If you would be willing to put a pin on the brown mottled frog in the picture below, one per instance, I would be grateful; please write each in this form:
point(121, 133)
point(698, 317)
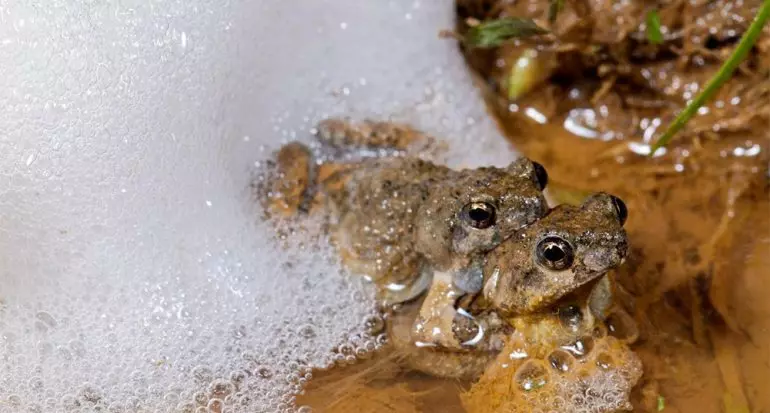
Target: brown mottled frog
point(396, 217)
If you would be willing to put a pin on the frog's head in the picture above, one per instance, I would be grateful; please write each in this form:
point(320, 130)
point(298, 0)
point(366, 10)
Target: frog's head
point(569, 248)
point(474, 210)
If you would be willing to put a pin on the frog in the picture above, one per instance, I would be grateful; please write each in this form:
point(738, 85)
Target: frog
point(572, 246)
point(395, 216)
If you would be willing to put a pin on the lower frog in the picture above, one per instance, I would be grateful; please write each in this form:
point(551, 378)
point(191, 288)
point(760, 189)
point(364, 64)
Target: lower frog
point(396, 218)
point(464, 320)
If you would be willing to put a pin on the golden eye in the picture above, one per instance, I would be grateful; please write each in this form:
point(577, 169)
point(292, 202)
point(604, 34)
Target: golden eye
point(555, 253)
point(479, 215)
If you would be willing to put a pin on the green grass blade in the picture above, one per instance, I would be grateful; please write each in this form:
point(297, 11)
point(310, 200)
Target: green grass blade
point(654, 34)
point(724, 73)
point(554, 8)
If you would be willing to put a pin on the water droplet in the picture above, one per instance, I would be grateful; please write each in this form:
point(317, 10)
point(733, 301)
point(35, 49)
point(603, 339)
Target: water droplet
point(560, 360)
point(581, 347)
point(532, 375)
point(571, 316)
point(622, 326)
point(374, 324)
point(604, 361)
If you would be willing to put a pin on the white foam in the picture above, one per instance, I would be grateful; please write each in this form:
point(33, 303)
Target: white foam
point(130, 249)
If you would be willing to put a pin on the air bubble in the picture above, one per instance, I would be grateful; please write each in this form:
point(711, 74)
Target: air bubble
point(220, 388)
point(532, 375)
point(237, 377)
point(374, 324)
point(216, 405)
point(346, 349)
point(202, 374)
point(382, 340)
point(307, 331)
point(604, 361)
point(46, 319)
point(580, 347)
point(622, 326)
point(201, 398)
point(185, 407)
point(14, 400)
point(560, 361)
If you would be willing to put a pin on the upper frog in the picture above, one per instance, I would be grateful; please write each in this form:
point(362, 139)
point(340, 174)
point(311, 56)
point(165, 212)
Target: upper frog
point(397, 218)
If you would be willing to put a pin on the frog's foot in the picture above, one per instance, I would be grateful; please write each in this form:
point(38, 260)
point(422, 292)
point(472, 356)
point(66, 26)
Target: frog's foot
point(433, 360)
point(342, 134)
point(287, 189)
point(444, 323)
point(439, 323)
point(398, 292)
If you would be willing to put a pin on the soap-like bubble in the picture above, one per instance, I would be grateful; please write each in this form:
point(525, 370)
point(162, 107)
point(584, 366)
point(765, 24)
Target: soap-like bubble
point(136, 265)
point(532, 375)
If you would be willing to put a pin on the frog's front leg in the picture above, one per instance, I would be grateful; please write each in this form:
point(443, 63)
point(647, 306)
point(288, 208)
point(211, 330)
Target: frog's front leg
point(341, 134)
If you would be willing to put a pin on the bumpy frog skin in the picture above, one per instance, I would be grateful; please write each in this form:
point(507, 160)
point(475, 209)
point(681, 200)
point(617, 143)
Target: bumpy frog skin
point(538, 266)
point(397, 218)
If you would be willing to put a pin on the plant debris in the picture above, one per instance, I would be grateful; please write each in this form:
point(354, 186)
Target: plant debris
point(493, 33)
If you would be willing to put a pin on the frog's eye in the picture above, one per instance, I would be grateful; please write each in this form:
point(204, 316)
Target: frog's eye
point(620, 209)
point(555, 253)
point(540, 175)
point(479, 215)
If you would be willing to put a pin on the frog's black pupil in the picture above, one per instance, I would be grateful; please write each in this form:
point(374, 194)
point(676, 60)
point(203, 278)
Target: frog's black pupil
point(541, 175)
point(553, 253)
point(479, 214)
point(620, 209)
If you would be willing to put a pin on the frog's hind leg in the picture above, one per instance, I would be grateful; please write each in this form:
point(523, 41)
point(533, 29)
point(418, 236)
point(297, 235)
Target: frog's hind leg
point(373, 135)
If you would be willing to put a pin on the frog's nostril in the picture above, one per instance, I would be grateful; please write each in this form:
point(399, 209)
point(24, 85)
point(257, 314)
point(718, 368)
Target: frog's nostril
point(620, 209)
point(541, 175)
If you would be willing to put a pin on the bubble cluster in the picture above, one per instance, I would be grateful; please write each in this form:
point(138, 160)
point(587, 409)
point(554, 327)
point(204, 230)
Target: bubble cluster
point(576, 377)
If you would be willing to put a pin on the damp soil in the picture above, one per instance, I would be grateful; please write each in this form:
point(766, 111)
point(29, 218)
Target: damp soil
point(698, 275)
